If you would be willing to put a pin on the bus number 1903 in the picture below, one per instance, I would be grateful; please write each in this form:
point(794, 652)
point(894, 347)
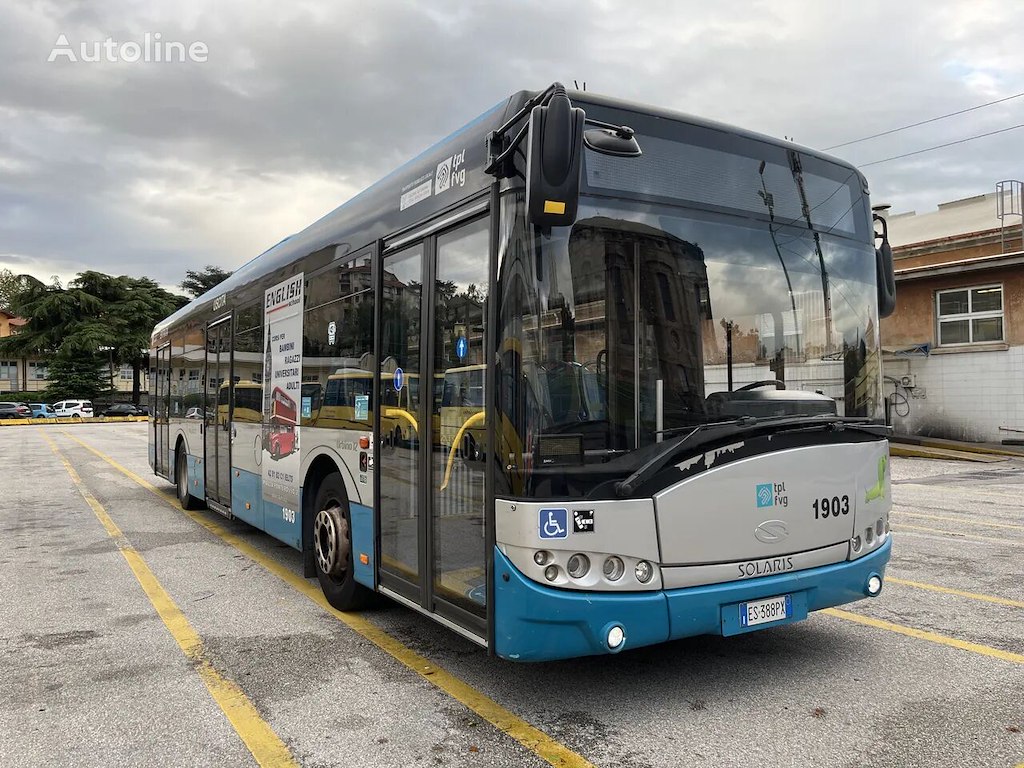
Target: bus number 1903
point(834, 507)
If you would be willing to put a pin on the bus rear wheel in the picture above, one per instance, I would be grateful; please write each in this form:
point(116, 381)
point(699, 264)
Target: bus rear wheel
point(186, 499)
point(332, 547)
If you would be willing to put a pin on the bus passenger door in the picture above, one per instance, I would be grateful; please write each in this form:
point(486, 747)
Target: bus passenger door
point(398, 455)
point(217, 429)
point(161, 388)
point(431, 430)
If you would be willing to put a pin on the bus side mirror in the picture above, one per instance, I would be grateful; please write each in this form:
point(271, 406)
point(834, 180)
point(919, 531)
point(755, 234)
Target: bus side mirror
point(885, 270)
point(553, 162)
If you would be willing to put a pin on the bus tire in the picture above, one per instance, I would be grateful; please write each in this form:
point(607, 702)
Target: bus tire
point(332, 547)
point(186, 499)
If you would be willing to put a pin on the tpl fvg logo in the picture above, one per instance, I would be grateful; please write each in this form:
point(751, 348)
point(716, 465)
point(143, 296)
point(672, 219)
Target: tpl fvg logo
point(772, 495)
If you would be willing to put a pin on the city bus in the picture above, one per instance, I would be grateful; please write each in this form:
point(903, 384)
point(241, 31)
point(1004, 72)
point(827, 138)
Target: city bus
point(665, 334)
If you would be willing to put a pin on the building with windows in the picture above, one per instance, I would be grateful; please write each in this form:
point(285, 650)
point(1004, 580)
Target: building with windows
point(954, 347)
point(30, 375)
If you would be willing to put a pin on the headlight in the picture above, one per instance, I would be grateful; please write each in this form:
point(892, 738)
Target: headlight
point(644, 571)
point(874, 585)
point(613, 568)
point(540, 557)
point(578, 566)
point(616, 636)
point(551, 572)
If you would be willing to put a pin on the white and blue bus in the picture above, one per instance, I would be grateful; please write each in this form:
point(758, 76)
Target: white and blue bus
point(677, 424)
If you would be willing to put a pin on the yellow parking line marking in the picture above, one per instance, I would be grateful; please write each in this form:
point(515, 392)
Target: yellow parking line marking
point(957, 592)
point(903, 527)
point(962, 520)
point(535, 740)
point(920, 634)
point(265, 745)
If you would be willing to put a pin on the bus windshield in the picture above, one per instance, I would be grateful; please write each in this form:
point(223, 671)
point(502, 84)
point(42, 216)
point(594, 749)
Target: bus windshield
point(643, 320)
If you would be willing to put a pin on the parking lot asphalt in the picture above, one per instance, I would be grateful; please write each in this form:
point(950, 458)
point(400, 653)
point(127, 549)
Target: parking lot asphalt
point(132, 633)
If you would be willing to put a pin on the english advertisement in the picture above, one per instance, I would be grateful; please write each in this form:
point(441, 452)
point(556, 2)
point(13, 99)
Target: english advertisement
point(282, 391)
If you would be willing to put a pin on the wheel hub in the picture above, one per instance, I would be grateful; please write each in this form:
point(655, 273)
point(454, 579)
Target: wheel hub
point(331, 541)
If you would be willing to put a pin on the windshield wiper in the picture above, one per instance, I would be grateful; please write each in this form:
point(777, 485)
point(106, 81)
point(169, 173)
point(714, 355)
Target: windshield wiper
point(737, 426)
point(661, 458)
point(741, 420)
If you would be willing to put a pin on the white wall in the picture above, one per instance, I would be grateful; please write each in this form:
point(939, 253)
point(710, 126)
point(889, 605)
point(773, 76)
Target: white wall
point(960, 396)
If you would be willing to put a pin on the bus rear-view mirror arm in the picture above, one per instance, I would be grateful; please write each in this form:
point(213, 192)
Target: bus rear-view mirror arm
point(555, 137)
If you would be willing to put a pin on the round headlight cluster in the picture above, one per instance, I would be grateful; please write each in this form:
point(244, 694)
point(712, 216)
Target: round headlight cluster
point(578, 567)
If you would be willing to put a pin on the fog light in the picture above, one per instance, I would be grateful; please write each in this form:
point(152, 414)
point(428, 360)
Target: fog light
point(855, 543)
point(874, 585)
point(541, 557)
point(616, 637)
point(643, 571)
point(551, 572)
point(578, 566)
point(613, 568)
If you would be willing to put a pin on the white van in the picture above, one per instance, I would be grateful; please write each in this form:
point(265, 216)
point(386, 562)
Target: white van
point(79, 408)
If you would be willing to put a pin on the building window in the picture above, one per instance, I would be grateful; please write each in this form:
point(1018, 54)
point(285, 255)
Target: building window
point(37, 371)
point(9, 374)
point(970, 315)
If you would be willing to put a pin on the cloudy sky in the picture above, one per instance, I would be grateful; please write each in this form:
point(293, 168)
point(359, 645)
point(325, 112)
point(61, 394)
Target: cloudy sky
point(155, 168)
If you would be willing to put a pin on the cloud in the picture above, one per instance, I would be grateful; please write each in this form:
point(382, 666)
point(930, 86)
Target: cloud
point(155, 168)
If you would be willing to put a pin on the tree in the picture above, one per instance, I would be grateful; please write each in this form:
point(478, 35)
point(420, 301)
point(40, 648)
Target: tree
point(77, 376)
point(12, 286)
point(96, 312)
point(198, 283)
point(139, 306)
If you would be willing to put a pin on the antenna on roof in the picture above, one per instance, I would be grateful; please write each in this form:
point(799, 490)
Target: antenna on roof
point(576, 85)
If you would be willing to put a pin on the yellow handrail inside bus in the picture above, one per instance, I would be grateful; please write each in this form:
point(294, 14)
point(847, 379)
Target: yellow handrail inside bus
point(470, 422)
point(403, 414)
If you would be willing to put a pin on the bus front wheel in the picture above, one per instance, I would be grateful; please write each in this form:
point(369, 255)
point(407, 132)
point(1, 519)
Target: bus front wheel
point(332, 547)
point(186, 499)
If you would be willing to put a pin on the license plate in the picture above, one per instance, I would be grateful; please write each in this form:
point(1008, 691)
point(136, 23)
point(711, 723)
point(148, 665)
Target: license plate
point(767, 610)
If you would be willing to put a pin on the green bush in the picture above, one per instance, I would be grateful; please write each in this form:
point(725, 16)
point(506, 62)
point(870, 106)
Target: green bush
point(26, 397)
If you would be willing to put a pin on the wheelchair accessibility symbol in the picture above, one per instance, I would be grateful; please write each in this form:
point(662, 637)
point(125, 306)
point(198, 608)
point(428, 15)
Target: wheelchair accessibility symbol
point(553, 523)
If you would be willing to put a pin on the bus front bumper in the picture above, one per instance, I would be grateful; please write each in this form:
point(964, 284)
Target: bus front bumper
point(538, 623)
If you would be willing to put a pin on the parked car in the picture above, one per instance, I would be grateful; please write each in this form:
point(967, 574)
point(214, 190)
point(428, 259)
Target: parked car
point(81, 409)
point(15, 411)
point(122, 409)
point(42, 411)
